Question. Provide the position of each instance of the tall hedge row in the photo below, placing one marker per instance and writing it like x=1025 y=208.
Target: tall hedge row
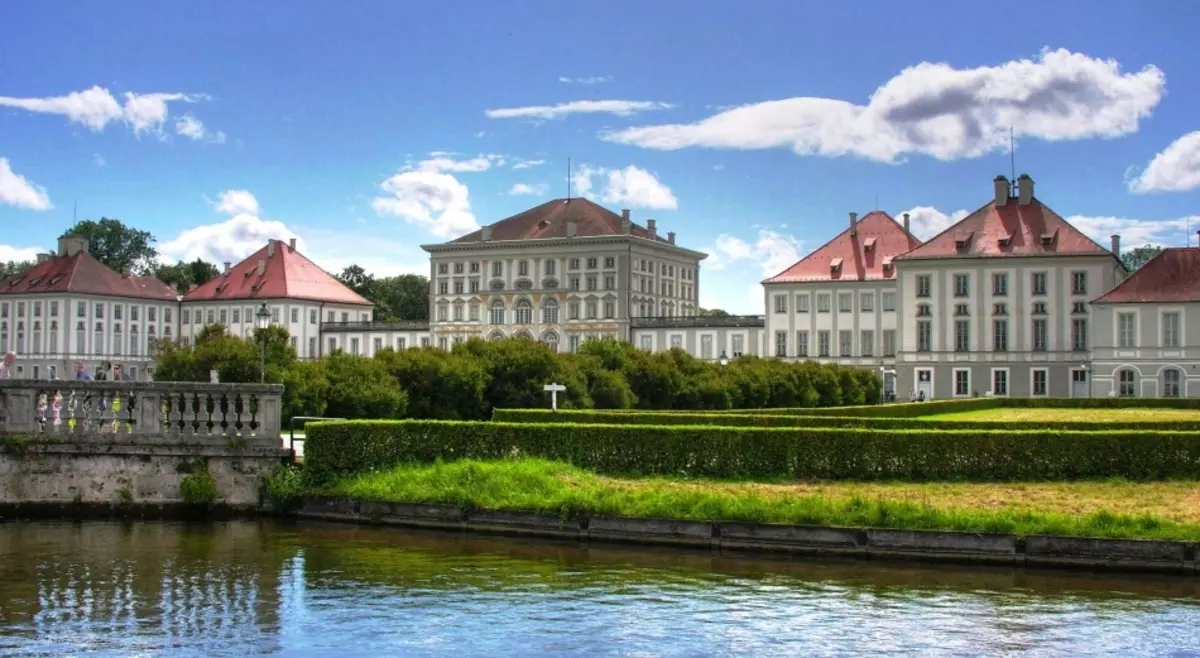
x=336 y=449
x=933 y=407
x=588 y=417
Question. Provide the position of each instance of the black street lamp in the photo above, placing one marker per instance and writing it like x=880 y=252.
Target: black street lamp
x=724 y=359
x=262 y=320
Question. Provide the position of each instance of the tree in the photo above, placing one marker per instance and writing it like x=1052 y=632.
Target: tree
x=712 y=313
x=403 y=297
x=183 y=275
x=1135 y=258
x=13 y=269
x=118 y=246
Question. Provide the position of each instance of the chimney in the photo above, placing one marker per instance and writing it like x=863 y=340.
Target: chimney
x=853 y=222
x=41 y=258
x=571 y=229
x=192 y=286
x=487 y=233
x=671 y=237
x=1024 y=190
x=906 y=231
x=127 y=271
x=651 y=226
x=69 y=245
x=270 y=248
x=227 y=266
x=1000 y=183
x=292 y=244
x=626 y=224
x=1116 y=246
x=262 y=267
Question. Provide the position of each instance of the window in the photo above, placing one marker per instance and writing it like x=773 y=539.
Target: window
x=497 y=312
x=312 y=347
x=458 y=311
x=1000 y=309
x=37 y=309
x=923 y=285
x=999 y=382
x=1000 y=335
x=802 y=303
x=21 y=309
x=443 y=312
x=845 y=302
x=801 y=343
x=443 y=287
x=443 y=268
x=574 y=283
x=275 y=316
x=549 y=268
x=1079 y=335
x=81 y=310
x=458 y=287
x=54 y=337
x=1170 y=333
x=474 y=287
x=1127 y=383
x=610 y=310
x=845 y=343
x=151 y=312
x=573 y=342
x=458 y=268
x=1039 y=283
x=1126 y=329
x=962 y=335
x=1000 y=284
x=889 y=301
x=524 y=311
x=591 y=263
x=867 y=347
x=223 y=316
x=961 y=310
x=924 y=310
x=591 y=283
x=1078 y=283
x=97 y=339
x=823 y=343
x=781 y=303
x=1078 y=307
x=737 y=344
x=609 y=262
x=1170 y=388
x=497 y=268
x=118 y=340
x=117 y=308
x=609 y=283
x=523 y=268
x=647 y=342
x=591 y=310
x=377 y=344
x=676 y=341
x=354 y=346
x=962 y=382
x=80 y=339
x=866 y=302
x=166 y=315
x=474 y=268
x=889 y=342
x=780 y=343
x=962 y=285
x=237 y=315
x=99 y=310
x=402 y=343
x=1039 y=335
x=550 y=311
x=823 y=303
x=574 y=265
x=210 y=318
x=1039 y=308
x=924 y=336
x=1040 y=377
x=473 y=312
x=706 y=347
x=573 y=311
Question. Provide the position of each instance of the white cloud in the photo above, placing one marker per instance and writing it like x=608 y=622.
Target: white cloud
x=536 y=189
x=1137 y=232
x=440 y=161
x=435 y=200
x=97 y=107
x=585 y=81
x=242 y=234
x=632 y=186
x=927 y=221
x=526 y=164
x=772 y=250
x=98 y=161
x=189 y=126
x=1176 y=169
x=718 y=167
x=935 y=110
x=10 y=254
x=16 y=191
x=619 y=108
x=334 y=250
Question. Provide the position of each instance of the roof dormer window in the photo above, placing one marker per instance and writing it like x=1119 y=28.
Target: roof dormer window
x=962 y=241
x=1005 y=239
x=869 y=243
x=1048 y=238
x=835 y=264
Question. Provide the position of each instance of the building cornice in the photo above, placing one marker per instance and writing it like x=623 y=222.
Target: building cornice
x=453 y=247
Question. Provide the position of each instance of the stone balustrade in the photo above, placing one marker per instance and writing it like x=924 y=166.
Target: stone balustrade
x=150 y=411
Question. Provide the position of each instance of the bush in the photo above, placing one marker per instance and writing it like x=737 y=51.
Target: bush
x=285 y=487
x=335 y=449
x=198 y=488
x=362 y=388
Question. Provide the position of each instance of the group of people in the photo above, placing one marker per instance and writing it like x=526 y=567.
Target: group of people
x=107 y=371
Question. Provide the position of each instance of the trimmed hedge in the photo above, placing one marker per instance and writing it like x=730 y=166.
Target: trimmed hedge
x=588 y=417
x=335 y=449
x=935 y=407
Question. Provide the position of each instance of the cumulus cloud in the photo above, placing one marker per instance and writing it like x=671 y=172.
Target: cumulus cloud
x=1137 y=232
x=772 y=250
x=440 y=161
x=10 y=254
x=194 y=129
x=619 y=108
x=237 y=202
x=596 y=79
x=927 y=221
x=632 y=186
x=16 y=191
x=97 y=107
x=1176 y=169
x=526 y=164
x=536 y=189
x=936 y=110
x=243 y=233
x=432 y=199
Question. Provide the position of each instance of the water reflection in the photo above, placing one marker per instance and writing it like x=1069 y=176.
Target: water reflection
x=322 y=590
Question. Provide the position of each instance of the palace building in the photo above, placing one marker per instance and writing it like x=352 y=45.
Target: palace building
x=1010 y=301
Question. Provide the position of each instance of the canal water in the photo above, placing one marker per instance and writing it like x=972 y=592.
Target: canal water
x=250 y=588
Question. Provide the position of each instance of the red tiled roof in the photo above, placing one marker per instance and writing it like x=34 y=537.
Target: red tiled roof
x=81 y=273
x=549 y=220
x=287 y=274
x=1171 y=276
x=877 y=239
x=1007 y=231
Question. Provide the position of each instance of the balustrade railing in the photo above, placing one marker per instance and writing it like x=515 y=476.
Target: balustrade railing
x=173 y=411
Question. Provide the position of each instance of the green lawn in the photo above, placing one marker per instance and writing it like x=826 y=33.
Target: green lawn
x=1101 y=509
x=1017 y=415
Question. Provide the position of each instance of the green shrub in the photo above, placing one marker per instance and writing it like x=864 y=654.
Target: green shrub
x=285 y=487
x=199 y=489
x=334 y=449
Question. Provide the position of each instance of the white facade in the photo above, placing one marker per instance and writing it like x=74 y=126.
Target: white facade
x=1146 y=350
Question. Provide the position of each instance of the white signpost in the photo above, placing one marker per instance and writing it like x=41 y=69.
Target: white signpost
x=554 y=390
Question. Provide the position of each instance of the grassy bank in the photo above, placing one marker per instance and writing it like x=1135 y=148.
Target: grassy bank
x=1020 y=415
x=1161 y=510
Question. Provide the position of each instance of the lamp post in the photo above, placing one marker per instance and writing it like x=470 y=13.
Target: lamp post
x=262 y=319
x=724 y=359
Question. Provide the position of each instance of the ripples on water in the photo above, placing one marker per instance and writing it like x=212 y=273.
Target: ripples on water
x=248 y=588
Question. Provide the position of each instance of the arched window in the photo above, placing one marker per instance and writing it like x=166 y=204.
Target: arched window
x=523 y=334
x=1127 y=383
x=550 y=312
x=1170 y=383
x=550 y=338
x=496 y=335
x=524 y=311
x=498 y=311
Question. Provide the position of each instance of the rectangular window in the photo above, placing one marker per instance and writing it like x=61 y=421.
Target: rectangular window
x=523 y=268
x=497 y=268
x=866 y=302
x=962 y=382
x=211 y=317
x=1000 y=335
x=458 y=312
x=474 y=287
x=706 y=347
x=237 y=315
x=591 y=283
x=151 y=312
x=802 y=303
x=1170 y=334
x=889 y=301
x=443 y=268
x=845 y=302
x=609 y=262
x=591 y=263
x=1039 y=283
x=573 y=311
x=402 y=343
x=999 y=382
x=962 y=285
x=442 y=343
x=845 y=343
x=780 y=343
x=610 y=310
x=738 y=346
x=781 y=303
x=1039 y=335
x=224 y=316
x=424 y=341
x=573 y=339
x=591 y=310
x=609 y=283
x=443 y=287
x=1040 y=378
x=1079 y=334
x=1078 y=283
x=923 y=285
x=99 y=310
x=458 y=287
x=676 y=341
x=801 y=343
x=354 y=346
x=962 y=335
x=1126 y=329
x=823 y=303
x=889 y=342
x=474 y=268
x=867 y=347
x=549 y=267
x=54 y=309
x=647 y=343
x=924 y=336
x=275 y=316
x=332 y=346
x=312 y=347
x=81 y=310
x=823 y=343
x=1000 y=284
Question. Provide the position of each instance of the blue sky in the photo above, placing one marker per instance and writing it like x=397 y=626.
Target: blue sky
x=368 y=128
